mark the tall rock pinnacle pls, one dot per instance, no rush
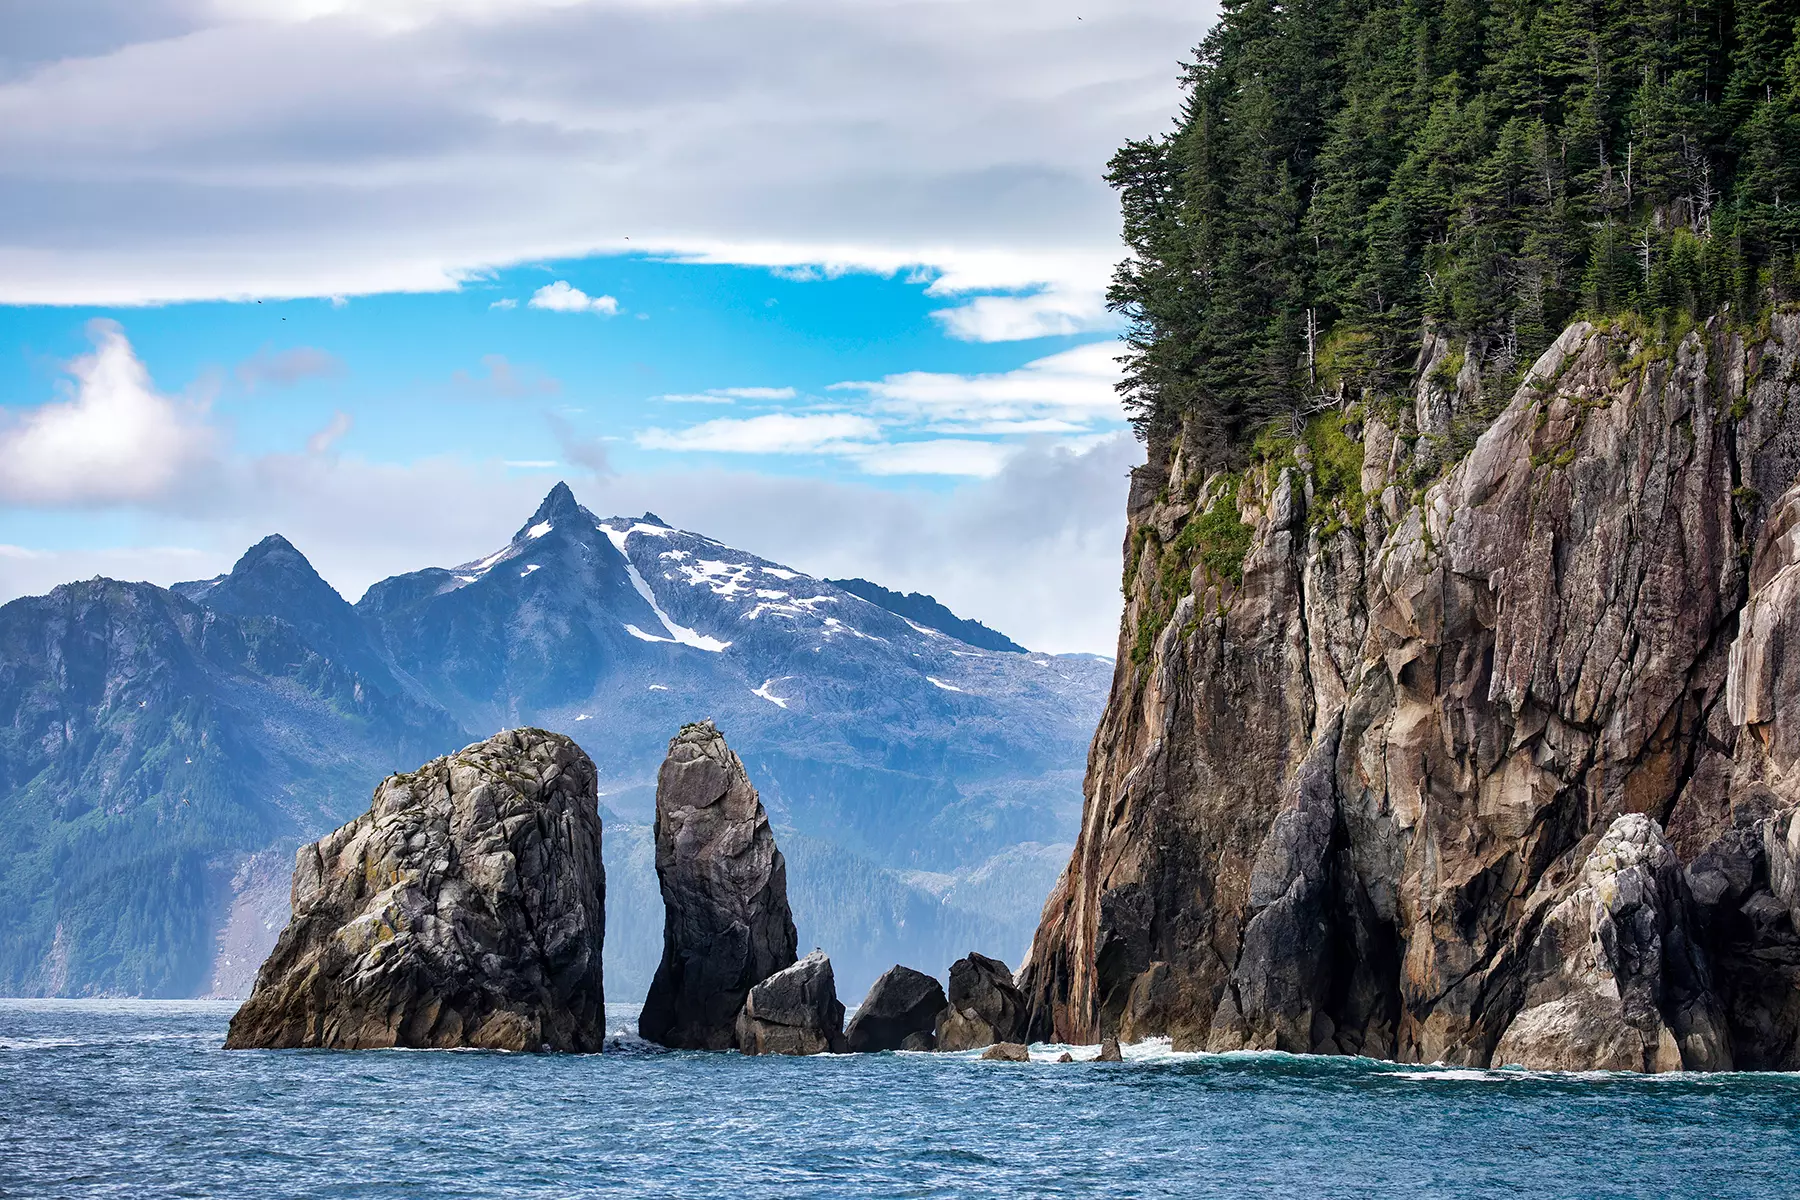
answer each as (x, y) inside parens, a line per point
(724, 884)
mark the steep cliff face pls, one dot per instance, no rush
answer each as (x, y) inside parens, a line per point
(1381, 697)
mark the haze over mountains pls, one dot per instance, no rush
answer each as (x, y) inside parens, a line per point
(153, 740)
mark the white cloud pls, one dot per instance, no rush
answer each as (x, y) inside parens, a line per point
(114, 441)
(729, 395)
(1066, 391)
(774, 433)
(285, 368)
(943, 456)
(509, 302)
(1048, 313)
(1050, 514)
(561, 297)
(328, 437)
(233, 149)
(500, 377)
(756, 393)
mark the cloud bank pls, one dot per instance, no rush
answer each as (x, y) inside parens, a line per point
(337, 148)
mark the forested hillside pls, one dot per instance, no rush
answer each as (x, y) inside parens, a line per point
(1351, 176)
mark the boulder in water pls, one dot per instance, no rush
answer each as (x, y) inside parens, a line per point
(985, 1007)
(1109, 1051)
(903, 1005)
(795, 1011)
(726, 923)
(465, 908)
(1007, 1052)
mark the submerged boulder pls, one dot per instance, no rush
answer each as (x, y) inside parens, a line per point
(903, 1005)
(1615, 981)
(726, 924)
(465, 908)
(795, 1011)
(985, 1007)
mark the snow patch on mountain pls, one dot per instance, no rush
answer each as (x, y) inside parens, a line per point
(677, 633)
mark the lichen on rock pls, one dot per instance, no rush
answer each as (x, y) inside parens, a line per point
(1334, 803)
(466, 908)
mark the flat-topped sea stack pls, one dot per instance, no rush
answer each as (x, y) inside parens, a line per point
(795, 1011)
(726, 923)
(466, 908)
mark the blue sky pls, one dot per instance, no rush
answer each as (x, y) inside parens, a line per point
(375, 275)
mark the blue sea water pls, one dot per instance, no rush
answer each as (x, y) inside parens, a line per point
(135, 1099)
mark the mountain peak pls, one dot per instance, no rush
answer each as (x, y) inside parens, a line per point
(273, 546)
(559, 505)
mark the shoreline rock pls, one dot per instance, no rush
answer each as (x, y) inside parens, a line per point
(985, 1007)
(899, 1013)
(726, 922)
(794, 1011)
(466, 908)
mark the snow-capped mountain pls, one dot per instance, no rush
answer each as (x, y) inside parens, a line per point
(636, 625)
(179, 741)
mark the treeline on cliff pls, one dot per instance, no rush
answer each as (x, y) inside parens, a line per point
(1347, 174)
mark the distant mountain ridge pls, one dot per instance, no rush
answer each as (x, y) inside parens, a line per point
(887, 751)
(925, 610)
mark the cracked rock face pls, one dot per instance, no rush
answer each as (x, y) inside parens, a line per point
(1345, 803)
(903, 1004)
(726, 924)
(1614, 980)
(985, 1007)
(466, 908)
(794, 1011)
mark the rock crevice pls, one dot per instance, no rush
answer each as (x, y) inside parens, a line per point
(466, 908)
(1347, 796)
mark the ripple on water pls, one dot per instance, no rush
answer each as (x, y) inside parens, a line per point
(135, 1099)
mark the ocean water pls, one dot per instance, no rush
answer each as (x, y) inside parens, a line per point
(135, 1099)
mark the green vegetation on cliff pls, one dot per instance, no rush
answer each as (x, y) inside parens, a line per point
(1348, 173)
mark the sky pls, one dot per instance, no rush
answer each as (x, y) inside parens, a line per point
(824, 280)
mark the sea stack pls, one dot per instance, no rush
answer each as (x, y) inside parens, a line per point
(726, 924)
(795, 1011)
(899, 1013)
(985, 1007)
(466, 908)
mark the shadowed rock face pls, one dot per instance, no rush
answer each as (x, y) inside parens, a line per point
(726, 924)
(795, 1011)
(1351, 792)
(984, 1006)
(465, 908)
(903, 1004)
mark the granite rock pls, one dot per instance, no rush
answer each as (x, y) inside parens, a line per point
(984, 1006)
(794, 1011)
(466, 908)
(726, 923)
(902, 1006)
(1348, 790)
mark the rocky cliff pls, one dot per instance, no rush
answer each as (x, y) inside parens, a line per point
(465, 908)
(1440, 733)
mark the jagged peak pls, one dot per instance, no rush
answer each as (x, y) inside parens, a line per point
(559, 505)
